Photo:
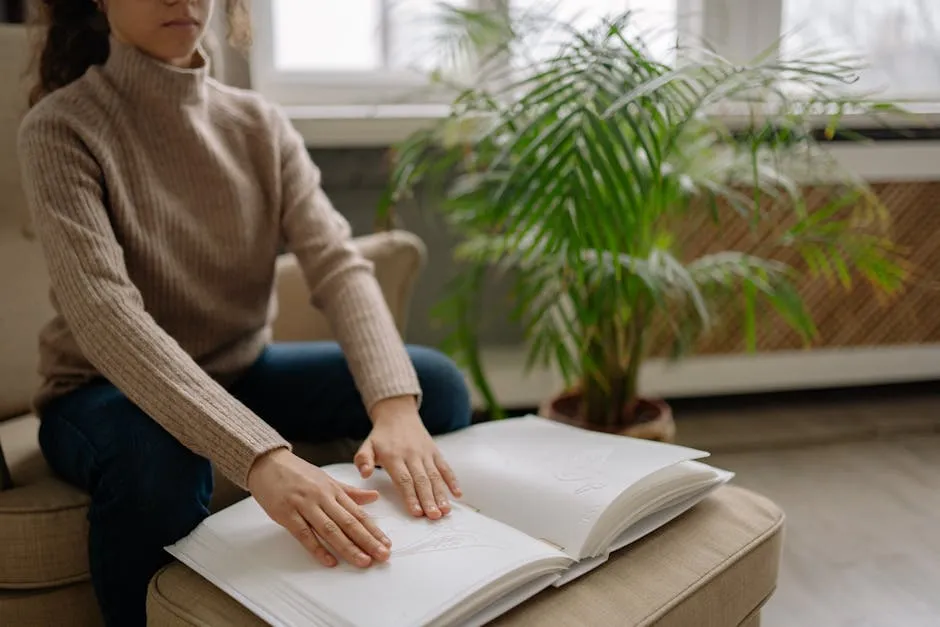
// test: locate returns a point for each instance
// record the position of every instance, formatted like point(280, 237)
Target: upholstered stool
point(713, 567)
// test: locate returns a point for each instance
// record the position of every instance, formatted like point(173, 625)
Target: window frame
point(745, 34)
point(377, 108)
point(381, 90)
point(386, 89)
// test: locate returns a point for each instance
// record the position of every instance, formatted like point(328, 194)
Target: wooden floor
point(859, 481)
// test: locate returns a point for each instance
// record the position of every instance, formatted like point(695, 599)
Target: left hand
point(400, 443)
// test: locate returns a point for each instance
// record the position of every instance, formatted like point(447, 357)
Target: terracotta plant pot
point(653, 422)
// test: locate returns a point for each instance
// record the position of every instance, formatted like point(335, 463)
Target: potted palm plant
point(576, 171)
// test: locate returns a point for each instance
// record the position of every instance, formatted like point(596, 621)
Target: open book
point(543, 504)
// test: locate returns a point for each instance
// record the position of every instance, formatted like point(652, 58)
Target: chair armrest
point(398, 256)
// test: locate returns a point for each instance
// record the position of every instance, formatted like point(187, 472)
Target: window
point(377, 52)
point(345, 38)
point(899, 39)
point(656, 20)
point(343, 53)
point(351, 36)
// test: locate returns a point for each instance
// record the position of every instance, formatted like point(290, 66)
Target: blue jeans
point(148, 490)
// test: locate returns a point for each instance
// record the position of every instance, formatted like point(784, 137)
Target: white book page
point(641, 529)
point(435, 566)
point(550, 480)
point(510, 601)
point(648, 495)
point(654, 521)
point(581, 568)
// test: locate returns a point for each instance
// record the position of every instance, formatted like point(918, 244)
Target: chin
point(178, 45)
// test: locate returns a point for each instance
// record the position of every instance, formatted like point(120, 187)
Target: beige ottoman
point(713, 567)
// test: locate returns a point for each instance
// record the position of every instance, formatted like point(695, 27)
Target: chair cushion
point(43, 521)
point(66, 606)
point(714, 566)
point(43, 524)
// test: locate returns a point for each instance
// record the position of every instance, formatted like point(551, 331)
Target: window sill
point(379, 126)
point(365, 126)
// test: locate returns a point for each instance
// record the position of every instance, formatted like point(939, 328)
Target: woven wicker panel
point(844, 318)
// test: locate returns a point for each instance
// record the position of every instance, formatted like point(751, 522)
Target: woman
point(161, 199)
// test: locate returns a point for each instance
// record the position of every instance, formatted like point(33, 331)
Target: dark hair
point(76, 37)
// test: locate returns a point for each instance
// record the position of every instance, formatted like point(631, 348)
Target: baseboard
point(704, 376)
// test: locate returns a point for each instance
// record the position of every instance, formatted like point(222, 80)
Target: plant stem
point(604, 382)
point(595, 402)
point(613, 404)
point(470, 345)
point(635, 359)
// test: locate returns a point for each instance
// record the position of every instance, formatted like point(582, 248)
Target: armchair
point(44, 578)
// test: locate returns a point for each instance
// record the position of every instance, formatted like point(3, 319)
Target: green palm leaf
point(572, 175)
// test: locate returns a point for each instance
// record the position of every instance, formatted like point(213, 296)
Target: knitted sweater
point(161, 199)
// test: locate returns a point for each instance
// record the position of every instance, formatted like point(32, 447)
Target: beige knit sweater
point(161, 198)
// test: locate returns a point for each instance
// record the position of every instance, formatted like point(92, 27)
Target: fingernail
point(363, 558)
point(416, 508)
point(386, 541)
point(445, 503)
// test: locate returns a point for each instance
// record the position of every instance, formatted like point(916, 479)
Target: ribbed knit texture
point(161, 198)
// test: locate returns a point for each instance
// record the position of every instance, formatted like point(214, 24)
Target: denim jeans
point(148, 490)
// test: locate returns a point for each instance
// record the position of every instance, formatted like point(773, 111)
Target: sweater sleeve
point(106, 314)
point(341, 281)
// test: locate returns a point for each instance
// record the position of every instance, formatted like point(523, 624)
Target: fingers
point(345, 527)
point(360, 496)
point(406, 487)
point(304, 533)
point(333, 534)
point(425, 492)
point(360, 528)
point(365, 459)
point(438, 487)
point(423, 483)
point(447, 473)
point(363, 517)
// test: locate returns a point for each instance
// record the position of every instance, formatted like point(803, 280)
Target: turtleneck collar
point(146, 79)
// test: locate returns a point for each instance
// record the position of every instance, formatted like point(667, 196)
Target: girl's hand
point(401, 444)
point(319, 511)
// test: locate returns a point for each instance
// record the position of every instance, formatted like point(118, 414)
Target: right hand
point(317, 510)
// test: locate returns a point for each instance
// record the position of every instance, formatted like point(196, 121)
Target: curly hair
point(76, 37)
